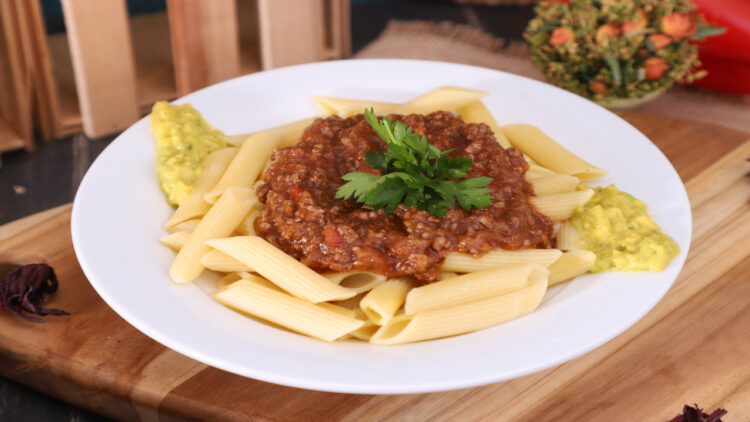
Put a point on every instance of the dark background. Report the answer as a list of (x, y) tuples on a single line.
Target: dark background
[(49, 176)]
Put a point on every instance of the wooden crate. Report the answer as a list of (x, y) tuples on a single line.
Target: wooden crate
[(109, 68)]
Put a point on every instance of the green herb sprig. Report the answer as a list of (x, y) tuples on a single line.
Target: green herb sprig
[(415, 173)]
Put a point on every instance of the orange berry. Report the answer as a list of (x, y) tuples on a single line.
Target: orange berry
[(640, 22), (561, 36), (607, 31), (598, 86), (678, 25), (655, 68), (660, 40)]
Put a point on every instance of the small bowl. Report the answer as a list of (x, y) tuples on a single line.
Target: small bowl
[(618, 103)]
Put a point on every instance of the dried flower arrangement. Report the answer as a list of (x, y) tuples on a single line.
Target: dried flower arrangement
[(617, 52)]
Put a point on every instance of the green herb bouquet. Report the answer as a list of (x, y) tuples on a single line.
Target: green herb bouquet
[(617, 52)]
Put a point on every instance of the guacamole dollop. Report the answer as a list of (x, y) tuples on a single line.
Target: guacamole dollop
[(615, 226), (183, 140)]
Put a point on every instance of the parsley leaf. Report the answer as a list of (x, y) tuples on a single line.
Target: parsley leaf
[(415, 173)]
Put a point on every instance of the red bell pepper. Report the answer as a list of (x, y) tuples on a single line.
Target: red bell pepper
[(726, 57), (733, 15)]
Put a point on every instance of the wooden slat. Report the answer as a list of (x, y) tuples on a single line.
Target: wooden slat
[(205, 42), (247, 18), (692, 347), (340, 29), (9, 139), (103, 62), (153, 59), (68, 117), (291, 32), (46, 102), (15, 80)]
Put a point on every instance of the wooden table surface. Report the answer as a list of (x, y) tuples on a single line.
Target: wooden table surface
[(694, 346)]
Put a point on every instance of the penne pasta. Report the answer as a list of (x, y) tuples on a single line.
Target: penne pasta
[(287, 311), (219, 261), (539, 170), (219, 221), (462, 263), (544, 150), (366, 331), (193, 205), (444, 98), (280, 268), (247, 164), (477, 112), (186, 226), (175, 241), (227, 279), (260, 280), (352, 303), (470, 287), (536, 171), (382, 302), (247, 225), (291, 132), (359, 281), (332, 105), (568, 237), (460, 319), (338, 309), (571, 264), (560, 206), (555, 183)]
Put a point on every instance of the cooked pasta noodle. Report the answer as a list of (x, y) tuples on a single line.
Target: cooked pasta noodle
[(476, 112), (219, 221), (175, 241), (470, 287), (287, 311), (219, 261), (193, 205), (560, 206), (544, 150), (280, 268), (464, 318), (568, 237), (359, 281), (382, 302), (462, 263), (247, 164), (555, 183), (571, 264)]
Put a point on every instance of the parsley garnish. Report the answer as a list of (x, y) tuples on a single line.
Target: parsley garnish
[(414, 172)]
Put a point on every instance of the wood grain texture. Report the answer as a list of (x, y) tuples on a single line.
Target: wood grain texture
[(46, 101), (291, 32), (205, 42), (692, 347), (103, 64), (15, 81)]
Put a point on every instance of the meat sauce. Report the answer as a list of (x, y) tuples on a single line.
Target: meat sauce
[(302, 216)]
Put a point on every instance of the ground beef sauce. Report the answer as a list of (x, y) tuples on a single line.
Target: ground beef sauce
[(302, 217)]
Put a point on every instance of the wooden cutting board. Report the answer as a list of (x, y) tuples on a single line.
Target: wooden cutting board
[(694, 346)]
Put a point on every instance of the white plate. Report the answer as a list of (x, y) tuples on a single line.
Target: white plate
[(119, 211)]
